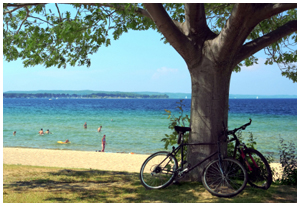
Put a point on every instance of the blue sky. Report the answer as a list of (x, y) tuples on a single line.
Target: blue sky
[(139, 61)]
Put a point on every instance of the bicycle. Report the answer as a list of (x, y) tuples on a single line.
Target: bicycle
[(223, 177), (258, 169)]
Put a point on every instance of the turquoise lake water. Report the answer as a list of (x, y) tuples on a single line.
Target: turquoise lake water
[(133, 125)]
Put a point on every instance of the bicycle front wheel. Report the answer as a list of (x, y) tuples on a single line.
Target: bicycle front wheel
[(258, 168), (226, 179), (158, 170)]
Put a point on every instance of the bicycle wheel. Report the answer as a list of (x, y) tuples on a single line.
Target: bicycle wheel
[(158, 170), (258, 169), (228, 183)]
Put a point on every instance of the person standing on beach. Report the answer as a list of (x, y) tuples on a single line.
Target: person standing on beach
[(41, 132), (99, 129), (85, 125), (103, 143)]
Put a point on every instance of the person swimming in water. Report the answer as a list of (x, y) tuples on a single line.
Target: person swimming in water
[(41, 132), (85, 125), (99, 129), (48, 132)]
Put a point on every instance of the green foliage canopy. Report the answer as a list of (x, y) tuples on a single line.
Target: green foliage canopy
[(62, 34)]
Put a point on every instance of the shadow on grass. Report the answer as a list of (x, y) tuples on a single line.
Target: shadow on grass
[(98, 186), (109, 186)]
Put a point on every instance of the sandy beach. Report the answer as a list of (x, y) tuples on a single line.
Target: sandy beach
[(74, 159), (81, 159)]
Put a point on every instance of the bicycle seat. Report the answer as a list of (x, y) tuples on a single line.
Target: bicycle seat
[(182, 129)]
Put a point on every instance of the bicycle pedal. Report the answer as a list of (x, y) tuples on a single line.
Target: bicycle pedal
[(182, 173)]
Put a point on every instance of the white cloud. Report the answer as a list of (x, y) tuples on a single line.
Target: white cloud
[(162, 72)]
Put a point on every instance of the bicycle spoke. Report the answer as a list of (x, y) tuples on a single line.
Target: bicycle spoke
[(161, 166), (228, 183)]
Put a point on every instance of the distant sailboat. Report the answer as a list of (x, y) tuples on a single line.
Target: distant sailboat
[(257, 97), (186, 97)]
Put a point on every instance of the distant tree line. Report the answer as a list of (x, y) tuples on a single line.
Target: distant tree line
[(90, 96)]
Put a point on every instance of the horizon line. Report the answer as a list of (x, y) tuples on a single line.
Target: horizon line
[(145, 92)]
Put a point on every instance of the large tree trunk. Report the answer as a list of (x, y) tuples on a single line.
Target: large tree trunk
[(209, 109)]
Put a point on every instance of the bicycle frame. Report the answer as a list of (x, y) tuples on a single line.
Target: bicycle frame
[(223, 177), (237, 147), (182, 145)]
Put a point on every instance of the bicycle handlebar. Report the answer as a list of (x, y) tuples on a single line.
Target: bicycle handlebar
[(237, 129)]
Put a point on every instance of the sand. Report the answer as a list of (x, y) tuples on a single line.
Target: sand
[(82, 159), (74, 159)]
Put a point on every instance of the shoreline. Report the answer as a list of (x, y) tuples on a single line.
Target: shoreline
[(65, 149), (125, 162)]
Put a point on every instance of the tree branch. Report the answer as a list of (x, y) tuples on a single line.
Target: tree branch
[(243, 19), (10, 11), (27, 15), (139, 11), (168, 28), (195, 18), (58, 12), (268, 10), (41, 20), (266, 40), (234, 33), (19, 6), (22, 5)]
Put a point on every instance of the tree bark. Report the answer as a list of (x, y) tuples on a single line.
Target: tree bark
[(209, 109)]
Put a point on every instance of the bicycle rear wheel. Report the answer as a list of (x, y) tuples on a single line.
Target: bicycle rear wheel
[(228, 183), (158, 170), (258, 169)]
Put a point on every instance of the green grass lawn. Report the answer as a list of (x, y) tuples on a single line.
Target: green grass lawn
[(58, 185)]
